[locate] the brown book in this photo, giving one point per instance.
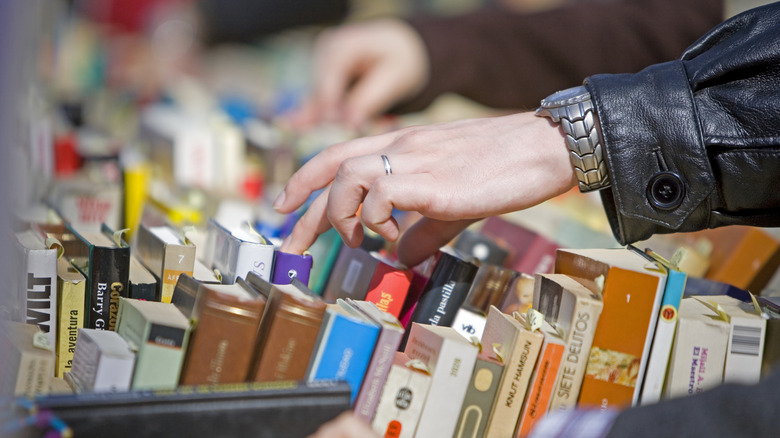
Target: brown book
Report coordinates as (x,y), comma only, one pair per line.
(225,321)
(288,333)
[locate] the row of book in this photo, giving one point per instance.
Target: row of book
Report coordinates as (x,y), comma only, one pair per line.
(631,332)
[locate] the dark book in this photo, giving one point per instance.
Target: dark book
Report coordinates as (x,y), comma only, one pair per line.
(481,247)
(445,291)
(143,284)
(288,333)
(185,293)
(104,259)
(261,410)
(225,326)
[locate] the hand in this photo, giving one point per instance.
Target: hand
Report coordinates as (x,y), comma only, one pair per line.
(362,70)
(346,425)
(451,173)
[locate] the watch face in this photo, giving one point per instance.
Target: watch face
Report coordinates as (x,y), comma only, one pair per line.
(567,97)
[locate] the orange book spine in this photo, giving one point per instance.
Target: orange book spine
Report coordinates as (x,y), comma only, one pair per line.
(388,288)
(538,399)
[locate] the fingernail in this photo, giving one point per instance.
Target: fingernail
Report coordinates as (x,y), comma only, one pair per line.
(279,201)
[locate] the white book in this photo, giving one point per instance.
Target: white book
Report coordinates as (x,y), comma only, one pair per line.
(234,252)
(451,359)
(37,283)
(698,352)
(746,339)
(103,362)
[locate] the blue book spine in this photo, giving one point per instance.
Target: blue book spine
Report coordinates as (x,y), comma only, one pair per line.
(345,351)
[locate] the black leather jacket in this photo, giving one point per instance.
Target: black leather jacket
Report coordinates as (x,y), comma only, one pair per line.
(695,143)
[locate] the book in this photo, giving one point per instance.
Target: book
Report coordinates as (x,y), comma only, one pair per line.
(288,332)
(158,333)
(343,348)
(235,252)
(450,359)
(325,251)
(574,309)
(771,357)
(104,259)
(743,256)
(480,395)
(360,274)
(185,294)
(225,322)
(658,363)
(103,362)
(446,289)
(288,266)
(390,335)
(167,254)
(142,283)
(481,247)
(632,293)
(519,296)
(746,338)
(699,350)
(489,286)
(520,346)
(28,360)
(37,282)
(402,399)
(289,409)
(72,288)
(543,379)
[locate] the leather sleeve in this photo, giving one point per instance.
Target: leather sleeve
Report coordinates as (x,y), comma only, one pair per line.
(512,60)
(695,143)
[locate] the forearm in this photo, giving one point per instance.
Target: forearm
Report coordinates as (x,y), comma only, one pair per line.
(693,144)
(511,60)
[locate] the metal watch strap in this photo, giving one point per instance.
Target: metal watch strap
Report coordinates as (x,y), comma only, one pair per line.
(586,151)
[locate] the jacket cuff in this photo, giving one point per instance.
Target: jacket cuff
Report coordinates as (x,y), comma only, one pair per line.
(660,175)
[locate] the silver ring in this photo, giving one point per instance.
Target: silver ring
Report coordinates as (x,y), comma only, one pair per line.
(388,170)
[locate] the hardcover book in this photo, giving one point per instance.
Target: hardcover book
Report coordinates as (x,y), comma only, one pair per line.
(288,332)
(520,346)
(343,348)
(390,335)
(71,296)
(480,396)
(104,259)
(699,350)
(103,362)
(37,282)
(363,275)
(158,333)
(235,252)
(575,309)
(289,409)
(28,361)
(543,380)
(167,254)
(632,294)
(747,331)
(224,333)
(450,359)
(402,399)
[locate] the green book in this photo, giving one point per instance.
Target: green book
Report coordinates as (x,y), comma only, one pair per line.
(158,333)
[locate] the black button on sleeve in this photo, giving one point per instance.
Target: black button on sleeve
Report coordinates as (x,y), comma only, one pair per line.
(665,191)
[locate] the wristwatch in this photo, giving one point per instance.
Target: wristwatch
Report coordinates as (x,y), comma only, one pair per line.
(573,109)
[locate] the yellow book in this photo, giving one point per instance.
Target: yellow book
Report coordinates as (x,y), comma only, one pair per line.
(72,287)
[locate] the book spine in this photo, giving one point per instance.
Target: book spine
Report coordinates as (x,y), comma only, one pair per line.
(511,394)
(540,392)
(345,352)
(40,286)
(109,271)
(254,257)
(71,319)
(376,375)
(401,402)
(288,266)
(697,359)
(575,360)
(658,363)
(388,288)
(479,400)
